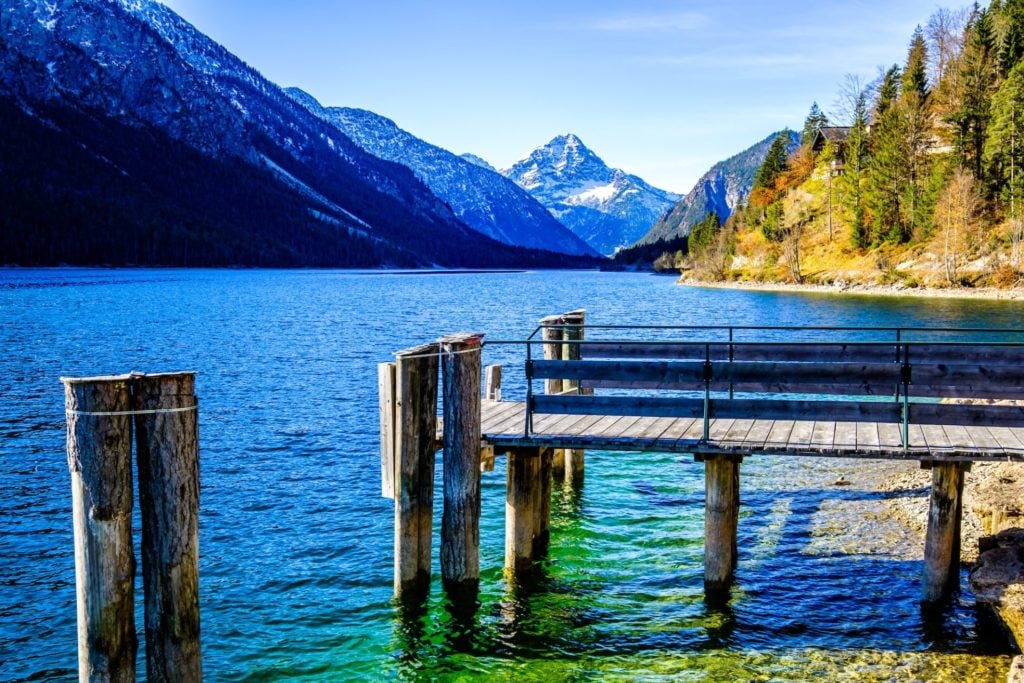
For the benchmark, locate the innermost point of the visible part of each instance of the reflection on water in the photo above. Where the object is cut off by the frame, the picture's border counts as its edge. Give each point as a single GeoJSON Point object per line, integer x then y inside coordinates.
{"type": "Point", "coordinates": [296, 563]}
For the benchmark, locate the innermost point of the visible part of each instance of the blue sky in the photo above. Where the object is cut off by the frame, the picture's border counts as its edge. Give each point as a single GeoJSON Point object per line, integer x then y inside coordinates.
{"type": "Point", "coordinates": [660, 88]}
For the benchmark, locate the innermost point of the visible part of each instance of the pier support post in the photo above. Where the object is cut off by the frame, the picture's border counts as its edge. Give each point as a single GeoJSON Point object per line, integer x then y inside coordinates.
{"type": "Point", "coordinates": [572, 351]}
{"type": "Point", "coordinates": [167, 446]}
{"type": "Point", "coordinates": [100, 460]}
{"type": "Point", "coordinates": [552, 336]}
{"type": "Point", "coordinates": [523, 509]}
{"type": "Point", "coordinates": [460, 523]}
{"type": "Point", "coordinates": [543, 541]}
{"type": "Point", "coordinates": [721, 515]}
{"type": "Point", "coordinates": [942, 542]}
{"type": "Point", "coordinates": [415, 440]}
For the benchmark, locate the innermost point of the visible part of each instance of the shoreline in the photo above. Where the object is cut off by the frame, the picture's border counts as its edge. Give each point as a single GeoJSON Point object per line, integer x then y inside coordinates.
{"type": "Point", "coordinates": [985, 293]}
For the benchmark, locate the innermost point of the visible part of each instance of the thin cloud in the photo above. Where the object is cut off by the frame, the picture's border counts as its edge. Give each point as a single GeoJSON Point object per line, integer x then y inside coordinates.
{"type": "Point", "coordinates": [641, 23]}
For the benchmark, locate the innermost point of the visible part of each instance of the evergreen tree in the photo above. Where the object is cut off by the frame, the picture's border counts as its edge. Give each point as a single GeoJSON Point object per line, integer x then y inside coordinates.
{"type": "Point", "coordinates": [1004, 144]}
{"type": "Point", "coordinates": [1012, 47]}
{"type": "Point", "coordinates": [915, 76]}
{"type": "Point", "coordinates": [888, 91]}
{"type": "Point", "coordinates": [812, 124]}
{"type": "Point", "coordinates": [703, 234]}
{"type": "Point", "coordinates": [774, 163]}
{"type": "Point", "coordinates": [851, 183]}
{"type": "Point", "coordinates": [978, 77]}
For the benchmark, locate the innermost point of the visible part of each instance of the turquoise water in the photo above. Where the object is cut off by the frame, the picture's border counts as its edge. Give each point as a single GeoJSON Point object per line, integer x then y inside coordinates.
{"type": "Point", "coordinates": [296, 541]}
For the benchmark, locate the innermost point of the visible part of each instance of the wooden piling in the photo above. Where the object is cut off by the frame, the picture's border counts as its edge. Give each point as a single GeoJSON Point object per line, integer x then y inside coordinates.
{"type": "Point", "coordinates": [543, 537]}
{"type": "Point", "coordinates": [942, 543]}
{"type": "Point", "coordinates": [573, 333]}
{"type": "Point", "coordinates": [386, 407]}
{"type": "Point", "coordinates": [522, 508]}
{"type": "Point", "coordinates": [492, 383]}
{"type": "Point", "coordinates": [167, 448]}
{"type": "Point", "coordinates": [552, 335]}
{"type": "Point", "coordinates": [415, 440]}
{"type": "Point", "coordinates": [460, 522]}
{"type": "Point", "coordinates": [99, 457]}
{"type": "Point", "coordinates": [721, 510]}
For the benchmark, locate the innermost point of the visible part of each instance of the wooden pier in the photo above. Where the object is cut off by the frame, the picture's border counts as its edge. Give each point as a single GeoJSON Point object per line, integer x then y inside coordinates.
{"type": "Point", "coordinates": [945, 398]}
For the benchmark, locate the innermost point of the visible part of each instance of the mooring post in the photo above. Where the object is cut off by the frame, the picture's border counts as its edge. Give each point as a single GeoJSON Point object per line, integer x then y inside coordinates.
{"type": "Point", "coordinates": [492, 383]}
{"type": "Point", "coordinates": [552, 335]}
{"type": "Point", "coordinates": [99, 449]}
{"type": "Point", "coordinates": [415, 441]}
{"type": "Point", "coordinates": [942, 543]}
{"type": "Point", "coordinates": [460, 522]}
{"type": "Point", "coordinates": [386, 403]}
{"type": "Point", "coordinates": [522, 508]}
{"type": "Point", "coordinates": [573, 333]}
{"type": "Point", "coordinates": [167, 449]}
{"type": "Point", "coordinates": [721, 514]}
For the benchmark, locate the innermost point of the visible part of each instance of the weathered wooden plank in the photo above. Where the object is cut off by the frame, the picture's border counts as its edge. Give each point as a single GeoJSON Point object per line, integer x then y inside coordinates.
{"type": "Point", "coordinates": [655, 429]}
{"type": "Point", "coordinates": [959, 438]}
{"type": "Point", "coordinates": [742, 351]}
{"type": "Point", "coordinates": [984, 440]}
{"type": "Point", "coordinates": [717, 429]}
{"type": "Point", "coordinates": [890, 438]}
{"type": "Point", "coordinates": [800, 437]}
{"type": "Point", "coordinates": [1011, 440]}
{"type": "Point", "coordinates": [823, 436]}
{"type": "Point", "coordinates": [493, 414]}
{"type": "Point", "coordinates": [584, 425]}
{"type": "Point", "coordinates": [678, 428]}
{"type": "Point", "coordinates": [954, 354]}
{"type": "Point", "coordinates": [845, 436]}
{"type": "Point", "coordinates": [867, 437]}
{"type": "Point", "coordinates": [737, 433]}
{"type": "Point", "coordinates": [386, 410]}
{"type": "Point", "coordinates": [758, 435]}
{"type": "Point", "coordinates": [99, 450]}
{"type": "Point", "coordinates": [167, 450]}
{"type": "Point", "coordinates": [640, 406]}
{"type": "Point", "coordinates": [778, 436]}
{"type": "Point", "coordinates": [652, 370]}
{"type": "Point", "coordinates": [619, 426]}
{"type": "Point", "coordinates": [966, 415]}
{"type": "Point", "coordinates": [916, 437]}
{"type": "Point", "coordinates": [775, 409]}
{"type": "Point", "coordinates": [460, 521]}
{"type": "Point", "coordinates": [935, 438]}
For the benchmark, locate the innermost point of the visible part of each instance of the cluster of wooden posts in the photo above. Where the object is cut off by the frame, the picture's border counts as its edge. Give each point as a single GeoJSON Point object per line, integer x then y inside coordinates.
{"type": "Point", "coordinates": [102, 415]}
{"type": "Point", "coordinates": [410, 438]}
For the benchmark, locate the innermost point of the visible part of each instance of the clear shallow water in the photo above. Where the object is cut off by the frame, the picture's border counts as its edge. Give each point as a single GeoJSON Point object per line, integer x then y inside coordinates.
{"type": "Point", "coordinates": [296, 541]}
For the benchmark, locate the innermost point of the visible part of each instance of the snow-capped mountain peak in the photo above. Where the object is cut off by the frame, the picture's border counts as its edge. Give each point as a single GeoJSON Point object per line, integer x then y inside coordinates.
{"type": "Point", "coordinates": [607, 207]}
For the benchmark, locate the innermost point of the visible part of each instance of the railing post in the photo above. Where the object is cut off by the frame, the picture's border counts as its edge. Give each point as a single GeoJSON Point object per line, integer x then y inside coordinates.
{"type": "Point", "coordinates": [167, 446]}
{"type": "Point", "coordinates": [492, 383]}
{"type": "Point", "coordinates": [415, 442]}
{"type": "Point", "coordinates": [460, 522]}
{"type": "Point", "coordinates": [99, 447]}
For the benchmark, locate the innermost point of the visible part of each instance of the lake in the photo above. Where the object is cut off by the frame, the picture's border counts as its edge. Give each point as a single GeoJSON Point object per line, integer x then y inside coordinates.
{"type": "Point", "coordinates": [296, 542]}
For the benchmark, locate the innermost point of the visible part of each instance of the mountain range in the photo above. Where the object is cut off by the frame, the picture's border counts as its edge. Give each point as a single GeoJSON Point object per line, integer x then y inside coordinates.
{"type": "Point", "coordinates": [480, 197]}
{"type": "Point", "coordinates": [132, 138]}
{"type": "Point", "coordinates": [725, 186]}
{"type": "Point", "coordinates": [606, 207]}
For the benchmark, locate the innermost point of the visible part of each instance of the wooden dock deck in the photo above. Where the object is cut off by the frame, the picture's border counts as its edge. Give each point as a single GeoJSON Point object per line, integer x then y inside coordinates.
{"type": "Point", "coordinates": [502, 426]}
{"type": "Point", "coordinates": [944, 397]}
